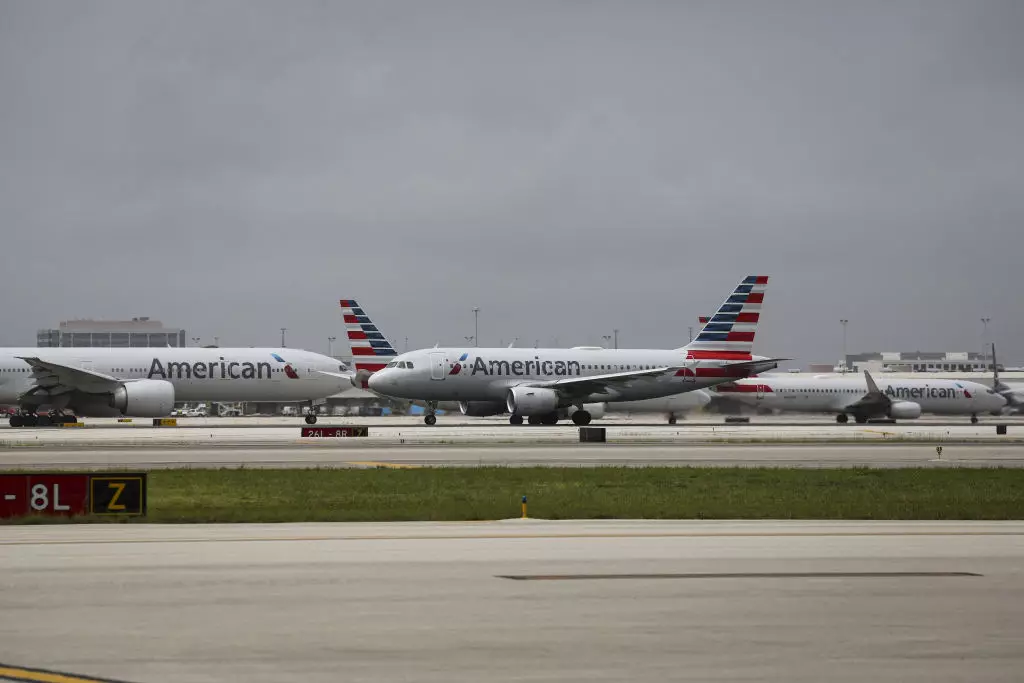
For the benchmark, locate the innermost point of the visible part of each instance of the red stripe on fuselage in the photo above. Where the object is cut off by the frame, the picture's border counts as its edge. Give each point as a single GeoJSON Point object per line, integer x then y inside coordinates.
{"type": "Point", "coordinates": [729, 388]}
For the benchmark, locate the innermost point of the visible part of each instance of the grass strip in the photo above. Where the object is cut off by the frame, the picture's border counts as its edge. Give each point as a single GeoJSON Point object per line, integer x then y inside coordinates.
{"type": "Point", "coordinates": [356, 495]}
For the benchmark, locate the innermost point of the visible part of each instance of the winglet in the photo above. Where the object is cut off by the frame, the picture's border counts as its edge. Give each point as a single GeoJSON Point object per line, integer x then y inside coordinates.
{"type": "Point", "coordinates": [872, 387]}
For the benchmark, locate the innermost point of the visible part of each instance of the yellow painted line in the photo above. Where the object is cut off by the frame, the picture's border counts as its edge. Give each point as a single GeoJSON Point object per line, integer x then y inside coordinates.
{"type": "Point", "coordinates": [392, 465]}
{"type": "Point", "coordinates": [14, 673]}
{"type": "Point", "coordinates": [521, 535]}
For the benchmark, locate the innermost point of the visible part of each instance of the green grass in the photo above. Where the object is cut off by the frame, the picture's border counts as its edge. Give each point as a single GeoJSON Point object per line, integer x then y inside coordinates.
{"type": "Point", "coordinates": [240, 495]}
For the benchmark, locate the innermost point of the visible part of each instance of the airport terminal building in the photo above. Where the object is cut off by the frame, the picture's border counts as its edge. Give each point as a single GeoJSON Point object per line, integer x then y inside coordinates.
{"type": "Point", "coordinates": [118, 334]}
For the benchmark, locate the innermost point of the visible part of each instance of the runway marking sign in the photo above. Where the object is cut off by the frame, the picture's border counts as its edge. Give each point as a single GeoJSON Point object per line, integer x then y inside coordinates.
{"type": "Point", "coordinates": [334, 432]}
{"type": "Point", "coordinates": [117, 494]}
{"type": "Point", "coordinates": [68, 494]}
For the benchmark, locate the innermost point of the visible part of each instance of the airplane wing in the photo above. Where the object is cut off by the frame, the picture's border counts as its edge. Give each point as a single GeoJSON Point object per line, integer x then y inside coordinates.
{"type": "Point", "coordinates": [55, 377]}
{"type": "Point", "coordinates": [872, 402]}
{"type": "Point", "coordinates": [598, 384]}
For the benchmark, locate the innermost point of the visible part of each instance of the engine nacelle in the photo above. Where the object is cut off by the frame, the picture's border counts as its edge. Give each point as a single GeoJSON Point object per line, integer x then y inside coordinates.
{"type": "Point", "coordinates": [481, 408]}
{"type": "Point", "coordinates": [145, 398]}
{"type": "Point", "coordinates": [905, 410]}
{"type": "Point", "coordinates": [596, 410]}
{"type": "Point", "coordinates": [531, 401]}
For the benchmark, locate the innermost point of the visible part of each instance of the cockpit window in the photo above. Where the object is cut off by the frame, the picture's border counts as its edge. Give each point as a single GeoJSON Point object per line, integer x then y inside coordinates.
{"type": "Point", "coordinates": [391, 364]}
{"type": "Point", "coordinates": [408, 364]}
{"type": "Point", "coordinates": [401, 364]}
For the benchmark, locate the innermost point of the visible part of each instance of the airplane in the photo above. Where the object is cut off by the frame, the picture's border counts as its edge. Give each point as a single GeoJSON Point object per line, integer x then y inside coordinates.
{"type": "Point", "coordinates": [903, 399]}
{"type": "Point", "coordinates": [147, 382]}
{"type": "Point", "coordinates": [375, 351]}
{"type": "Point", "coordinates": [543, 384]}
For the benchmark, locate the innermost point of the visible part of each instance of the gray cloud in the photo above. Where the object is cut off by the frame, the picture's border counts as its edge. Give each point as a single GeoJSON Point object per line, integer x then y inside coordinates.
{"type": "Point", "coordinates": [569, 167]}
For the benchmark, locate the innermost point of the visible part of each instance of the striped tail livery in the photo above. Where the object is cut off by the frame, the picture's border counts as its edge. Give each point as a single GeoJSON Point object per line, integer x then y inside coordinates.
{"type": "Point", "coordinates": [371, 350]}
{"type": "Point", "coordinates": [729, 333]}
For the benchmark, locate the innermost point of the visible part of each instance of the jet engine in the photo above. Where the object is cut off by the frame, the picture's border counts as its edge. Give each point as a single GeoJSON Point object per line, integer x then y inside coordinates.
{"type": "Point", "coordinates": [531, 400]}
{"type": "Point", "coordinates": [904, 410]}
{"type": "Point", "coordinates": [596, 410]}
{"type": "Point", "coordinates": [145, 398]}
{"type": "Point", "coordinates": [481, 408]}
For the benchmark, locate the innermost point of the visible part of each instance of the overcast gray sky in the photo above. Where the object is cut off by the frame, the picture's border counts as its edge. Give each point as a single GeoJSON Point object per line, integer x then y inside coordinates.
{"type": "Point", "coordinates": [568, 167]}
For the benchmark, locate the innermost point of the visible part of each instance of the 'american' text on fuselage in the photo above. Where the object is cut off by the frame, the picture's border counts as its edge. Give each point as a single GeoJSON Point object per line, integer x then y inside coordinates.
{"type": "Point", "coordinates": [519, 368]}
{"type": "Point", "coordinates": [209, 370]}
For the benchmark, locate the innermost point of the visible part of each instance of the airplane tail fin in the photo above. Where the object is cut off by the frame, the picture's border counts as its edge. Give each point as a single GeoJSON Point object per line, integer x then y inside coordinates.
{"type": "Point", "coordinates": [371, 350]}
{"type": "Point", "coordinates": [729, 333]}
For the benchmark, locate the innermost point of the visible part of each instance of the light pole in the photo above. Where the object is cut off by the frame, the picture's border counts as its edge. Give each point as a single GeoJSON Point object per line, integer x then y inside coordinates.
{"type": "Point", "coordinates": [407, 344]}
{"type": "Point", "coordinates": [844, 321]}
{"type": "Point", "coordinates": [984, 339]}
{"type": "Point", "coordinates": [476, 325]}
{"type": "Point", "coordinates": [690, 330]}
{"type": "Point", "coordinates": [282, 336]}
{"type": "Point", "coordinates": [330, 346]}
{"type": "Point", "coordinates": [616, 338]}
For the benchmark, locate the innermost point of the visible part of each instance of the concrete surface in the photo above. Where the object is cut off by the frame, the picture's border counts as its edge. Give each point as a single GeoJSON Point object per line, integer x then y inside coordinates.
{"type": "Point", "coordinates": [586, 455]}
{"type": "Point", "coordinates": [889, 601]}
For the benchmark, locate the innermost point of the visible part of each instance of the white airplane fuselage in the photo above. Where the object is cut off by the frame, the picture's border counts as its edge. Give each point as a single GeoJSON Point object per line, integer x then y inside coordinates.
{"type": "Point", "coordinates": [458, 374]}
{"type": "Point", "coordinates": [197, 374]}
{"type": "Point", "coordinates": [835, 394]}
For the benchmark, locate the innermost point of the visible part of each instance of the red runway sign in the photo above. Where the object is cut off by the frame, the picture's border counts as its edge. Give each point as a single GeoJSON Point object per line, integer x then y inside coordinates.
{"type": "Point", "coordinates": [334, 432]}
{"type": "Point", "coordinates": [67, 494]}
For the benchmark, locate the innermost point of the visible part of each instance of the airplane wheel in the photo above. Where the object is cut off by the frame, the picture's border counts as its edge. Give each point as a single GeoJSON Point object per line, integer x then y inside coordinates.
{"type": "Point", "coordinates": [671, 419]}
{"type": "Point", "coordinates": [516, 420]}
{"type": "Point", "coordinates": [430, 420]}
{"type": "Point", "coordinates": [533, 419]}
{"type": "Point", "coordinates": [842, 418]}
{"type": "Point", "coordinates": [311, 419]}
{"type": "Point", "coordinates": [581, 418]}
{"type": "Point", "coordinates": [974, 419]}
{"type": "Point", "coordinates": [860, 420]}
{"type": "Point", "coordinates": [551, 419]}
{"type": "Point", "coordinates": [15, 421]}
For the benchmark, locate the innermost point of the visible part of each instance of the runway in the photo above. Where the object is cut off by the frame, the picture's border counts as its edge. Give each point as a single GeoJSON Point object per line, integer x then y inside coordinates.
{"type": "Point", "coordinates": [568, 455]}
{"type": "Point", "coordinates": [518, 600]}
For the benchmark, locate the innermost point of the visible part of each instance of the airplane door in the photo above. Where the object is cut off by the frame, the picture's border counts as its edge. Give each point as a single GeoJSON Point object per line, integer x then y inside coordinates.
{"type": "Point", "coordinates": [437, 365]}
{"type": "Point", "coordinates": [760, 392]}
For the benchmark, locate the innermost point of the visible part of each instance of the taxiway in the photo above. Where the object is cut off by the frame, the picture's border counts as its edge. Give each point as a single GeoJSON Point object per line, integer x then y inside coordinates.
{"type": "Point", "coordinates": [518, 600]}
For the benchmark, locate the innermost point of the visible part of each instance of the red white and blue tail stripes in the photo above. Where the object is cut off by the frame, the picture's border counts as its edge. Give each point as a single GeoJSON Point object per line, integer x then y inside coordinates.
{"type": "Point", "coordinates": [363, 335]}
{"type": "Point", "coordinates": [729, 333]}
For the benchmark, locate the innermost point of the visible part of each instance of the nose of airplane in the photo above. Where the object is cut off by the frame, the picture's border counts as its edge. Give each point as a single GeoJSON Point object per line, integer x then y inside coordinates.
{"type": "Point", "coordinates": [377, 380]}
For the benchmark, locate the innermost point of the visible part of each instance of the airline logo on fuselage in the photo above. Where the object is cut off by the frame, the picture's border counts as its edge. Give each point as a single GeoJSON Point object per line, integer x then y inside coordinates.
{"type": "Point", "coordinates": [221, 369]}
{"type": "Point", "coordinates": [924, 392]}
{"type": "Point", "coordinates": [518, 368]}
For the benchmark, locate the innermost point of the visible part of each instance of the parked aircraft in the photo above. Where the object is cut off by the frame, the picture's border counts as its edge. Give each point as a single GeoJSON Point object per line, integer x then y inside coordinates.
{"type": "Point", "coordinates": [147, 382]}
{"type": "Point", "coordinates": [862, 397]}
{"type": "Point", "coordinates": [539, 384]}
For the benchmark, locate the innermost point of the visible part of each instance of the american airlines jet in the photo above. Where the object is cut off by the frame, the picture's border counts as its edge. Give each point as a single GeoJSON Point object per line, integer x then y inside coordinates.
{"type": "Point", "coordinates": [147, 382]}
{"type": "Point", "coordinates": [861, 397]}
{"type": "Point", "coordinates": [542, 384]}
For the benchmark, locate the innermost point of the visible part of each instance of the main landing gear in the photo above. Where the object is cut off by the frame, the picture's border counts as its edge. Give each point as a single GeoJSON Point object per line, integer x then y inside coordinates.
{"type": "Point", "coordinates": [581, 417]}
{"type": "Point", "coordinates": [974, 419]}
{"type": "Point", "coordinates": [311, 414]}
{"type": "Point", "coordinates": [24, 419]}
{"type": "Point", "coordinates": [842, 418]}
